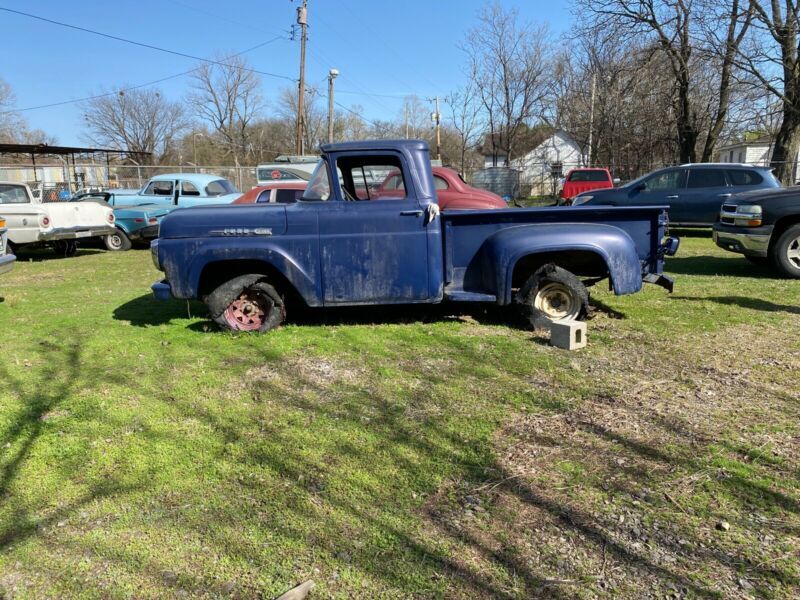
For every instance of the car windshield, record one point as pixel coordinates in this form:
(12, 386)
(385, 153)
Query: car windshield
(596, 175)
(319, 188)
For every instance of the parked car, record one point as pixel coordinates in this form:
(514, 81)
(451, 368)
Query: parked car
(284, 192)
(58, 224)
(693, 192)
(287, 168)
(133, 223)
(330, 251)
(585, 179)
(179, 190)
(764, 226)
(6, 258)
(452, 192)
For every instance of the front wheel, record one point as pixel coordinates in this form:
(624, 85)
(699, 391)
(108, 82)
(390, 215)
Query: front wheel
(550, 295)
(785, 252)
(246, 303)
(117, 242)
(66, 248)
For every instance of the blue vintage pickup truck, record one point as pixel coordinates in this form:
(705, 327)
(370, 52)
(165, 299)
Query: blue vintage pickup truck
(336, 248)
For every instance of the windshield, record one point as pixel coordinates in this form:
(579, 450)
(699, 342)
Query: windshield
(13, 194)
(319, 188)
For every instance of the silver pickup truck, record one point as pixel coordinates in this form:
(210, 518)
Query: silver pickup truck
(59, 224)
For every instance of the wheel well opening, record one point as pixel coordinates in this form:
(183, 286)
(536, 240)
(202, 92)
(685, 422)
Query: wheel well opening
(217, 273)
(781, 226)
(583, 263)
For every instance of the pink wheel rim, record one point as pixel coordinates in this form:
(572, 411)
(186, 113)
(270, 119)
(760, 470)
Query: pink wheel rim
(247, 312)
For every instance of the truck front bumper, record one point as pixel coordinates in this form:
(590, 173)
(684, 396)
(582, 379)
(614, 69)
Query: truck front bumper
(752, 241)
(75, 233)
(162, 290)
(7, 263)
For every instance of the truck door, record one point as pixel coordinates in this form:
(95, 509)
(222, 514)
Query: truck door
(372, 249)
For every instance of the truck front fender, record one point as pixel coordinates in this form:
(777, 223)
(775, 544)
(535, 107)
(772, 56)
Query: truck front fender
(300, 274)
(503, 250)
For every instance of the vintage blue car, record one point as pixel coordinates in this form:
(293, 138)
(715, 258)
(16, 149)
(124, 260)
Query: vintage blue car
(180, 190)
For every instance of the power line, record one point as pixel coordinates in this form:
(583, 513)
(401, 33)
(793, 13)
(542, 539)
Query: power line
(140, 44)
(133, 87)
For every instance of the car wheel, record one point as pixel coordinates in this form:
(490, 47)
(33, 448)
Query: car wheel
(246, 303)
(550, 295)
(785, 252)
(66, 248)
(117, 242)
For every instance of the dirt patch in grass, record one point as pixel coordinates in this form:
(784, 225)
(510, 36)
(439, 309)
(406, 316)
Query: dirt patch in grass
(676, 478)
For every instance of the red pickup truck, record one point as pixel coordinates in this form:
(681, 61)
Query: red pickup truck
(585, 179)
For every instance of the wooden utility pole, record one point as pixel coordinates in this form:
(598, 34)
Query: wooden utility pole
(302, 20)
(332, 74)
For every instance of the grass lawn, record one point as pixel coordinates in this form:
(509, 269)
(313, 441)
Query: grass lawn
(398, 453)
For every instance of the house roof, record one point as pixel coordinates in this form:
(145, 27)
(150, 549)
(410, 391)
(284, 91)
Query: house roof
(762, 140)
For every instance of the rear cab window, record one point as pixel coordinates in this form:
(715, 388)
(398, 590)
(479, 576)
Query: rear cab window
(594, 175)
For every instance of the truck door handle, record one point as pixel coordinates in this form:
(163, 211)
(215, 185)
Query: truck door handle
(724, 196)
(672, 197)
(411, 213)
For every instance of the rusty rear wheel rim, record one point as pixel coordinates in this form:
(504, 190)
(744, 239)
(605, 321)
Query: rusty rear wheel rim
(557, 301)
(249, 311)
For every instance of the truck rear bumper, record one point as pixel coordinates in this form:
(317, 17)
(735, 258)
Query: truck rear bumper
(162, 290)
(74, 233)
(752, 242)
(7, 263)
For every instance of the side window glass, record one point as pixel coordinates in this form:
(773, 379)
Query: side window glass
(362, 177)
(704, 178)
(287, 196)
(263, 196)
(151, 188)
(319, 187)
(215, 188)
(743, 177)
(668, 180)
(189, 189)
(13, 194)
(439, 183)
(160, 188)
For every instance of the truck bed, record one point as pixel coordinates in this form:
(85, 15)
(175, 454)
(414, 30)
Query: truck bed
(467, 253)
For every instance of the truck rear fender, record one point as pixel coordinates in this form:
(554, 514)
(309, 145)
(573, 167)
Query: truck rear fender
(215, 266)
(587, 249)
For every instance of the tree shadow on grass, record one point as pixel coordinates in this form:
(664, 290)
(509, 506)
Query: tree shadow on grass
(744, 302)
(48, 254)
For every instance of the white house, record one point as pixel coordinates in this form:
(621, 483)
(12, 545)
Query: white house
(550, 158)
(756, 151)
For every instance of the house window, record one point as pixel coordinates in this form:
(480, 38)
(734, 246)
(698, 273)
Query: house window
(731, 157)
(741, 156)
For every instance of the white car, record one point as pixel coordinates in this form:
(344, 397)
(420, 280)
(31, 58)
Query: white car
(59, 224)
(6, 258)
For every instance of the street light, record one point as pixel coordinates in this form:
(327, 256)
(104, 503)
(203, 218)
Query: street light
(332, 74)
(194, 145)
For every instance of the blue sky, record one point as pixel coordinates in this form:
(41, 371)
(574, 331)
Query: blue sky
(389, 48)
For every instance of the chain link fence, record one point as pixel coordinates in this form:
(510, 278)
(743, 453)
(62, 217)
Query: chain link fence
(60, 182)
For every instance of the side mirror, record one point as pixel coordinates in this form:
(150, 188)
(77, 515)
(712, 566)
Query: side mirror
(616, 180)
(640, 187)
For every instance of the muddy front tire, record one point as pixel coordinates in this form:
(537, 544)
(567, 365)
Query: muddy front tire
(246, 303)
(552, 294)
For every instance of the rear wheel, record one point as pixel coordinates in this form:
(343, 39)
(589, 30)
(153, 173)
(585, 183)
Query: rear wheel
(550, 295)
(785, 252)
(118, 241)
(246, 303)
(66, 247)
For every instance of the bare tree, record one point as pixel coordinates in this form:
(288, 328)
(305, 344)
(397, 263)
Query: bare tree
(315, 123)
(227, 96)
(510, 66)
(138, 120)
(772, 58)
(465, 119)
(683, 31)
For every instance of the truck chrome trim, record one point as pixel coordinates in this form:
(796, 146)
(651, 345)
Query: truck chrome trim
(743, 243)
(74, 233)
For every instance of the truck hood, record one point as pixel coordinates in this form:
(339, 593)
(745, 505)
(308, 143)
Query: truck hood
(225, 220)
(76, 214)
(765, 195)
